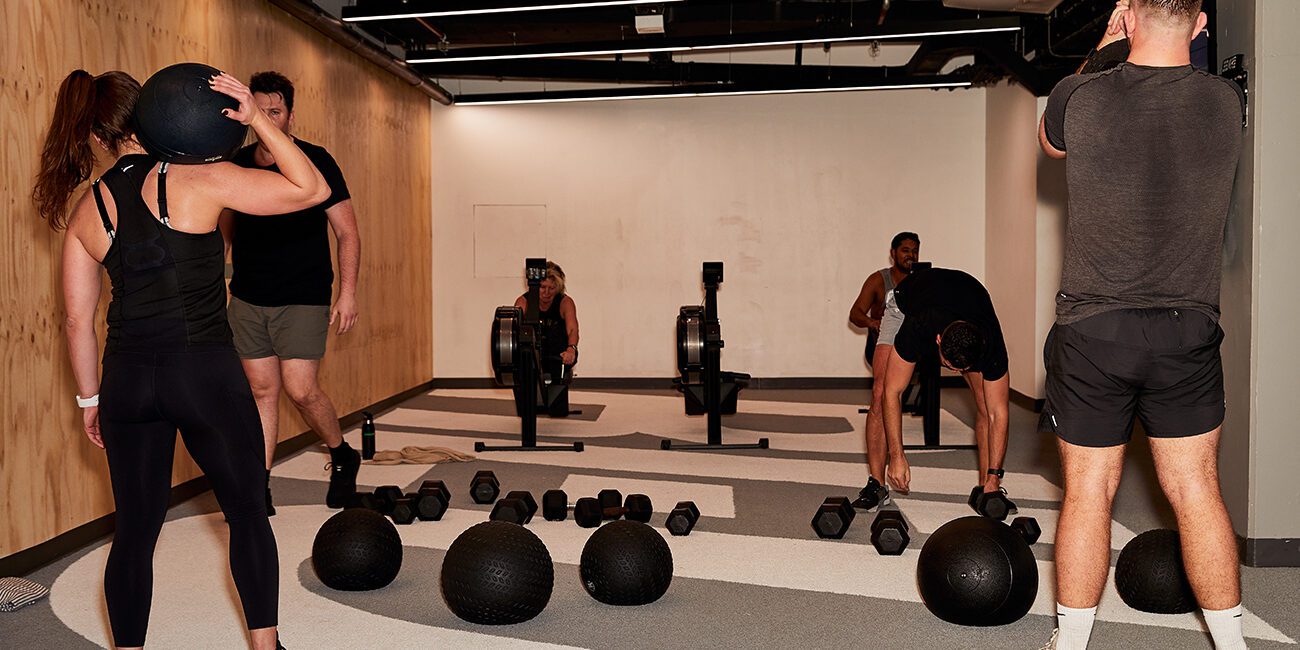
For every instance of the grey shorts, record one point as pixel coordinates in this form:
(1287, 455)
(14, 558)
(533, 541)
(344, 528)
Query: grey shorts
(287, 332)
(890, 321)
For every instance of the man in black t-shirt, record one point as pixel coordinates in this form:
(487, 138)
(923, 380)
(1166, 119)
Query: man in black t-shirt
(281, 286)
(1152, 148)
(949, 313)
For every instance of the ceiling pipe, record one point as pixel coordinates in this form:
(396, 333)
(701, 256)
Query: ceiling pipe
(334, 28)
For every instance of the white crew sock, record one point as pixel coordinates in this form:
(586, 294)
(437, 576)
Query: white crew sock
(1225, 628)
(1075, 627)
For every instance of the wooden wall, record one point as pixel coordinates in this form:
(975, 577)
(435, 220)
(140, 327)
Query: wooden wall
(51, 478)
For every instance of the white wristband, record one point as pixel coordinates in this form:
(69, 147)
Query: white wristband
(87, 402)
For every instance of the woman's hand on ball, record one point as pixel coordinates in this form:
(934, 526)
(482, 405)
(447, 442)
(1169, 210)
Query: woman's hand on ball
(228, 85)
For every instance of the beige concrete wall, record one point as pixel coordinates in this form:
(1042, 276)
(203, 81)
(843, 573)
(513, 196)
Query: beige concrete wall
(1011, 231)
(1275, 93)
(798, 195)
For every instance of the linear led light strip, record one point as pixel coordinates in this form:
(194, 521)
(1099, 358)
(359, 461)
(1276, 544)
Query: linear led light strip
(719, 46)
(504, 10)
(788, 91)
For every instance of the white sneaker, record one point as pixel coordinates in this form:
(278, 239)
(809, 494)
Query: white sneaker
(1051, 643)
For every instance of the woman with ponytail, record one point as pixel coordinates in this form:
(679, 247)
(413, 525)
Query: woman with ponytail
(169, 362)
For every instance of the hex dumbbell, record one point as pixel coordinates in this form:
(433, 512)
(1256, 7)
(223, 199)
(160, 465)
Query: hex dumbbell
(637, 507)
(889, 532)
(517, 507)
(1028, 529)
(833, 517)
(484, 487)
(993, 505)
(611, 504)
(435, 497)
(556, 506)
(681, 519)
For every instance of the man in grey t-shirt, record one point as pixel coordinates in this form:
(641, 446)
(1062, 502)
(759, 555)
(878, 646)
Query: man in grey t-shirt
(1152, 149)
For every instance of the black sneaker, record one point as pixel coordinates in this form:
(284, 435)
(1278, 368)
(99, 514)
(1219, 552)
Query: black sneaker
(872, 496)
(343, 468)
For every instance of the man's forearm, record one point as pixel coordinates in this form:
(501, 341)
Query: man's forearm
(349, 264)
(893, 419)
(997, 440)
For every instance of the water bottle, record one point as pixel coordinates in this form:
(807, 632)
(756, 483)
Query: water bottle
(368, 436)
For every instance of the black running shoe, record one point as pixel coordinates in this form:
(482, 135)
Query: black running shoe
(872, 496)
(343, 476)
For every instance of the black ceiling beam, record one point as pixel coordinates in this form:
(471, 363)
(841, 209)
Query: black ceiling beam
(578, 70)
(903, 32)
(382, 9)
(902, 81)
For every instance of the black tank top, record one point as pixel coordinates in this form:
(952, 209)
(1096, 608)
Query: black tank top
(555, 332)
(168, 287)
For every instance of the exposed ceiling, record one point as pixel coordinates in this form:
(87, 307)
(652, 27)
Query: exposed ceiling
(589, 50)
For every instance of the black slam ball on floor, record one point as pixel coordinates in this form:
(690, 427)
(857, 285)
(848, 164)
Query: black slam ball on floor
(1149, 574)
(497, 573)
(977, 571)
(357, 550)
(178, 117)
(626, 563)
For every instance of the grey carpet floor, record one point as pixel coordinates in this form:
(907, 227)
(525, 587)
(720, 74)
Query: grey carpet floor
(728, 606)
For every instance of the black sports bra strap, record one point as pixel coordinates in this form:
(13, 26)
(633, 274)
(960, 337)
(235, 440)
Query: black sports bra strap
(103, 211)
(162, 195)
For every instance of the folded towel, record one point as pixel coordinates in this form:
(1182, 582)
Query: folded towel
(419, 456)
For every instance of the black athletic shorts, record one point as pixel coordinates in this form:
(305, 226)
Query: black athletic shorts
(1160, 365)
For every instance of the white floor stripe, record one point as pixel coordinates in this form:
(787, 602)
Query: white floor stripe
(195, 605)
(679, 463)
(712, 500)
(626, 413)
(193, 553)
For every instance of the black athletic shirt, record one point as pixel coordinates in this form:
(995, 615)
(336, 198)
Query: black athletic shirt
(285, 259)
(168, 287)
(931, 299)
(554, 329)
(1152, 158)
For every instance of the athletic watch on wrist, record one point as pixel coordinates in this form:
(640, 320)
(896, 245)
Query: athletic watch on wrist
(997, 472)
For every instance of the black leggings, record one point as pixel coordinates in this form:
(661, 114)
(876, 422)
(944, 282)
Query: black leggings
(145, 398)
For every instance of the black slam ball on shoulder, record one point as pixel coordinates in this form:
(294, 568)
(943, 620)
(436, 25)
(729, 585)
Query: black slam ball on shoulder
(357, 550)
(977, 571)
(497, 573)
(626, 563)
(178, 117)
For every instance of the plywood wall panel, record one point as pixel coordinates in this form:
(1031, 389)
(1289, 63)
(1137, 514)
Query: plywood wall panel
(376, 126)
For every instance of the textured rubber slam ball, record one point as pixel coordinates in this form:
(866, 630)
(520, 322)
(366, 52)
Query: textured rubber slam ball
(1149, 574)
(977, 571)
(626, 563)
(357, 550)
(178, 117)
(497, 573)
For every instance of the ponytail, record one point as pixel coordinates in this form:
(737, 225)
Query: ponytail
(85, 106)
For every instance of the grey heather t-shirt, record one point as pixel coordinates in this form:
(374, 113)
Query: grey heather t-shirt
(1152, 153)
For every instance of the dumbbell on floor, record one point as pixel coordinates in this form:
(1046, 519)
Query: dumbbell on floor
(517, 507)
(889, 532)
(435, 499)
(637, 507)
(484, 487)
(833, 517)
(611, 504)
(556, 506)
(1028, 529)
(381, 500)
(681, 519)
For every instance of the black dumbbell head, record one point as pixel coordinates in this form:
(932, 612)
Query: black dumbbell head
(681, 520)
(993, 505)
(514, 511)
(428, 506)
(611, 504)
(436, 487)
(555, 505)
(484, 487)
(527, 498)
(638, 508)
(833, 516)
(889, 533)
(1028, 528)
(975, 493)
(587, 512)
(403, 511)
(386, 497)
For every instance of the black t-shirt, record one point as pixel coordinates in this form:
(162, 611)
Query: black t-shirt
(1152, 157)
(931, 299)
(285, 259)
